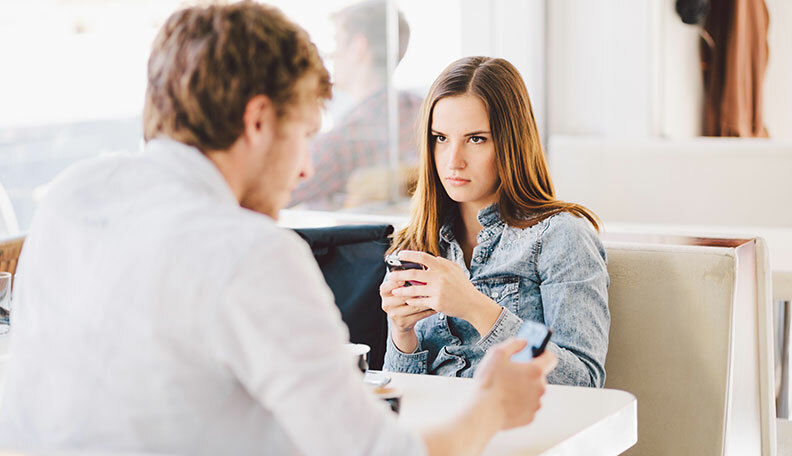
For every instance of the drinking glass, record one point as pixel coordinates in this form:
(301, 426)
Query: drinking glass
(5, 301)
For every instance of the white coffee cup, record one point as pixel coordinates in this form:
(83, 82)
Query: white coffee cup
(360, 351)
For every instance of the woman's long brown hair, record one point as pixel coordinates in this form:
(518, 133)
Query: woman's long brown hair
(525, 193)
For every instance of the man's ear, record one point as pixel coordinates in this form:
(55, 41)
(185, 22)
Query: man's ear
(259, 120)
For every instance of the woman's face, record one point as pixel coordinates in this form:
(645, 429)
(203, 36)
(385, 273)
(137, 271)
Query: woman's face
(463, 150)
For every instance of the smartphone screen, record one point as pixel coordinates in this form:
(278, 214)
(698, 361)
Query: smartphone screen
(537, 335)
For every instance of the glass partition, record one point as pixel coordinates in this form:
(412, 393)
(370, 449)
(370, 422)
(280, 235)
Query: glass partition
(74, 80)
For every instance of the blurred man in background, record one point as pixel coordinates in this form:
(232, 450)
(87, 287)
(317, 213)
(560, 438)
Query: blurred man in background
(359, 142)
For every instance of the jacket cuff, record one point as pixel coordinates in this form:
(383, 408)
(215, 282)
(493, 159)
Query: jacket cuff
(398, 361)
(505, 326)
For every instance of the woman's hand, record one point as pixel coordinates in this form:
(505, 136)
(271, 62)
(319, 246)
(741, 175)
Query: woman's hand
(447, 290)
(403, 316)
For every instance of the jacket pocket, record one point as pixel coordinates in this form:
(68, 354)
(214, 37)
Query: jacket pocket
(504, 290)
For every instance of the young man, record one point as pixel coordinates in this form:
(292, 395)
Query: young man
(155, 314)
(359, 140)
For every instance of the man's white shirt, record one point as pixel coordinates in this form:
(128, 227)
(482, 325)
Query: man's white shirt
(152, 313)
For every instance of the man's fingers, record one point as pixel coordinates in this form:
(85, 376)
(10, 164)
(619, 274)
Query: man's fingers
(546, 361)
(511, 346)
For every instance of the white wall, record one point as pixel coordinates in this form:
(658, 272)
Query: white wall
(631, 68)
(515, 31)
(598, 67)
(680, 83)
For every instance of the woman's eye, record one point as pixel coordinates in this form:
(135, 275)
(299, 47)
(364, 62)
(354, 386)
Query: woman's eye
(440, 138)
(477, 139)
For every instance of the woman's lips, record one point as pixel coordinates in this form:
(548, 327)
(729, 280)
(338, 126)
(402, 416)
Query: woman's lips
(457, 181)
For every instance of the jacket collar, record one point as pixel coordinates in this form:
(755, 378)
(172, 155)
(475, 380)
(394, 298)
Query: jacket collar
(489, 217)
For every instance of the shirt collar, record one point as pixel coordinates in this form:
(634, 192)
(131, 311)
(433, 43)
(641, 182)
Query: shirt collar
(447, 229)
(489, 217)
(192, 164)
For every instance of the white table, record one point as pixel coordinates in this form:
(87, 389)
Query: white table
(572, 420)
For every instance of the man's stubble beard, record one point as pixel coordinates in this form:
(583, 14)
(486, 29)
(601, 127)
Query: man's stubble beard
(256, 201)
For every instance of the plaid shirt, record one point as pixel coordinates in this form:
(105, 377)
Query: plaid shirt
(359, 141)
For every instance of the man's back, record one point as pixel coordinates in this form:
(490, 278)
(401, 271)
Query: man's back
(121, 337)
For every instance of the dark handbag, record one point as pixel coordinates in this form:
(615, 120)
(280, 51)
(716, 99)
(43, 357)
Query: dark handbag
(352, 261)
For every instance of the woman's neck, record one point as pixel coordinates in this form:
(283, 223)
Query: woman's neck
(467, 231)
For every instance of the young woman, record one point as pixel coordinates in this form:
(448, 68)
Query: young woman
(498, 246)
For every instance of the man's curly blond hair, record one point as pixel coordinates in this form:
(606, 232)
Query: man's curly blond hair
(207, 62)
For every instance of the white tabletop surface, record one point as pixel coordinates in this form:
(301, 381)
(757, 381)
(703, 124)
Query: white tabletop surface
(572, 420)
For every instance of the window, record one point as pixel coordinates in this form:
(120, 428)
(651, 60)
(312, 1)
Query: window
(74, 83)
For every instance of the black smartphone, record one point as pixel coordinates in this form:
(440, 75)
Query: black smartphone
(537, 335)
(393, 263)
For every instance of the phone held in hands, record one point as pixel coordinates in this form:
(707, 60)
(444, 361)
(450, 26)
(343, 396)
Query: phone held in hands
(537, 335)
(393, 263)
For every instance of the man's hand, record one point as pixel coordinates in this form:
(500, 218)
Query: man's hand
(515, 389)
(509, 394)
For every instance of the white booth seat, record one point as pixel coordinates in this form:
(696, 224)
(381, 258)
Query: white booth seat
(714, 187)
(691, 339)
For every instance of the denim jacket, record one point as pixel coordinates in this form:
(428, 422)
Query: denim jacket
(554, 272)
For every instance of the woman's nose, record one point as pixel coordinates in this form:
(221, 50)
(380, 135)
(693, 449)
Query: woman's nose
(455, 159)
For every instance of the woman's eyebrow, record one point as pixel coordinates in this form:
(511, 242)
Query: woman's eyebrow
(473, 133)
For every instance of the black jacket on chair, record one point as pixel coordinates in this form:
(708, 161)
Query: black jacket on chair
(352, 261)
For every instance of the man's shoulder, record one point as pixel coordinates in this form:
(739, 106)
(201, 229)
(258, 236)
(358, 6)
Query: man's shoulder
(251, 230)
(83, 182)
(91, 167)
(261, 236)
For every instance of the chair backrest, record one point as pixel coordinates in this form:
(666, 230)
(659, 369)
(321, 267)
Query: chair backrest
(690, 337)
(702, 181)
(352, 261)
(10, 248)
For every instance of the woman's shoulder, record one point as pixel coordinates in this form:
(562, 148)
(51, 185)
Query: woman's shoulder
(567, 222)
(568, 229)
(567, 232)
(557, 225)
